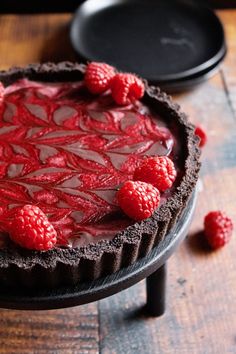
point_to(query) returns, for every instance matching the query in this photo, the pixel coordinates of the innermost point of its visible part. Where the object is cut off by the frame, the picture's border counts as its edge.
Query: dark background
(30, 6)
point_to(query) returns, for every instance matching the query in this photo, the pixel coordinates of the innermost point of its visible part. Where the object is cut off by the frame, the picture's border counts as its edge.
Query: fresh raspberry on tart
(31, 229)
(126, 88)
(98, 77)
(159, 171)
(138, 199)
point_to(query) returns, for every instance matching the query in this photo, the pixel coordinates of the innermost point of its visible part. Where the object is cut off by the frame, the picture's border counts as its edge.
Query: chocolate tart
(84, 258)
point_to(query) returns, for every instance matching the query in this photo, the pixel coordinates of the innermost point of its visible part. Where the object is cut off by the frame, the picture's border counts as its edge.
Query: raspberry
(138, 199)
(159, 171)
(1, 92)
(98, 76)
(200, 132)
(31, 229)
(218, 229)
(126, 88)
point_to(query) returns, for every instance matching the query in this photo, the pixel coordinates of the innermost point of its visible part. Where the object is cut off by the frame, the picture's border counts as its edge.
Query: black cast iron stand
(152, 267)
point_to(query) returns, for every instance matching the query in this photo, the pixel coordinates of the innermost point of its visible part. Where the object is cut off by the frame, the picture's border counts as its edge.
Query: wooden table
(201, 312)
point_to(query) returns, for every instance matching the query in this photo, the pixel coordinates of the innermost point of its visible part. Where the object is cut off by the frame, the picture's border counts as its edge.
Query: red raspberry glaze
(68, 152)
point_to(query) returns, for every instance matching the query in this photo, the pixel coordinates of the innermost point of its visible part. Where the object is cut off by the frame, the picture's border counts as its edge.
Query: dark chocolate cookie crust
(70, 266)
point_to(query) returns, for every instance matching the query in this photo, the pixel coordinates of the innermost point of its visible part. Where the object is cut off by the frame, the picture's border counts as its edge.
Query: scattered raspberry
(1, 92)
(218, 229)
(159, 171)
(200, 132)
(126, 88)
(138, 199)
(98, 76)
(31, 229)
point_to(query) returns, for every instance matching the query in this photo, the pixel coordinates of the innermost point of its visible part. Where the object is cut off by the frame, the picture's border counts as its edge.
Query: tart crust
(56, 267)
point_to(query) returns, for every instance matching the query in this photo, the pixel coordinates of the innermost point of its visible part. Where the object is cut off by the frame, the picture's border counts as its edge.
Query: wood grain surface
(201, 311)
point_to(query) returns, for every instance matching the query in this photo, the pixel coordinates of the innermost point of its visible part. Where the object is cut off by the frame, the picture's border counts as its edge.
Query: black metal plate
(103, 287)
(161, 40)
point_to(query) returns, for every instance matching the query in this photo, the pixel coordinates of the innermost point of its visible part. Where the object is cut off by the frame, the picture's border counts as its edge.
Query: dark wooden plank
(68, 331)
(27, 39)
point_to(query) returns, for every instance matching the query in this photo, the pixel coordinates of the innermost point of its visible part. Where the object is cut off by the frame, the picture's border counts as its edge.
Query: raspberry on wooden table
(31, 229)
(218, 229)
(200, 132)
(126, 88)
(98, 76)
(138, 199)
(159, 171)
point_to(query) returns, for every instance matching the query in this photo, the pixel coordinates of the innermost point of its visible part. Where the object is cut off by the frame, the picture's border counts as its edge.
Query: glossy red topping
(68, 152)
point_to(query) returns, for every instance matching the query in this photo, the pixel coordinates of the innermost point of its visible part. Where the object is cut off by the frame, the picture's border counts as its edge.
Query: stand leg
(156, 291)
